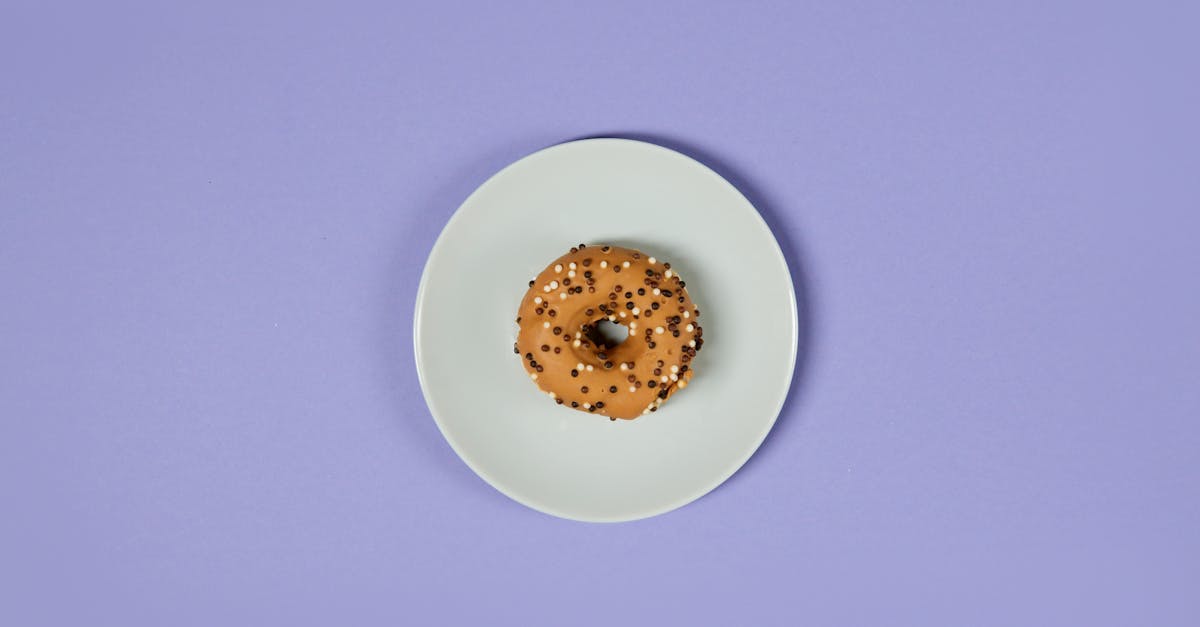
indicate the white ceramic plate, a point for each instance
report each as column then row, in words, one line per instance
column 583, row 466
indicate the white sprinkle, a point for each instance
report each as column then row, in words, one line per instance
column 667, row 274
column 632, row 389
column 624, row 366
column 570, row 274
column 636, row 311
column 587, row 405
column 664, row 379
column 692, row 343
column 652, row 260
column 590, row 368
column 562, row 296
column 558, row 267
column 656, row 291
column 657, row 330
column 545, row 288
column 533, row 375
column 572, row 265
column 545, row 325
column 579, row 366
column 631, row 330
column 554, row 285
column 622, row 314
column 687, row 314
column 674, row 377
column 612, row 318
column 603, row 264
column 632, row 325
column 691, row 328
column 537, row 300
column 625, row 264
column 576, row 344
column 578, row 335
column 553, row 395
column 674, row 368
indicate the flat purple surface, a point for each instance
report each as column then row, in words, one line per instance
column 213, row 221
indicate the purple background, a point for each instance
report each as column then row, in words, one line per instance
column 213, row 221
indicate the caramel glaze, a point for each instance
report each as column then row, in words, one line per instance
column 569, row 360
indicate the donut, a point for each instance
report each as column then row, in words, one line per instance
column 566, row 356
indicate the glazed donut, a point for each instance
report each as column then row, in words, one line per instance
column 569, row 360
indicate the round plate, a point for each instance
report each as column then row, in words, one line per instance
column 583, row 466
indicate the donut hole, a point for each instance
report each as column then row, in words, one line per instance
column 607, row 333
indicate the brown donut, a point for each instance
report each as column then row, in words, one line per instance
column 569, row 360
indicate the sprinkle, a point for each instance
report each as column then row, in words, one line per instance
column 537, row 300
column 692, row 343
column 690, row 328
column 554, row 285
column 674, row 368
column 533, row 375
column 667, row 274
column 687, row 314
column 656, row 291
column 546, row 324
column 576, row 344
column 624, row 367
column 665, row 379
column 558, row 267
column 658, row 330
column 674, row 377
column 545, row 288
column 632, row 389
column 603, row 264
column 571, row 273
column 589, row 368
column 579, row 366
column 631, row 331
column 622, row 314
column 589, row 405
column 652, row 260
column 572, row 265
column 633, row 325
column 625, row 264
column 636, row 311
column 553, row 395
column 562, row 296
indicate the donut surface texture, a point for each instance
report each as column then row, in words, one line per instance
column 567, row 357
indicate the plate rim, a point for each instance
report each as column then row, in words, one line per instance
column 670, row 506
